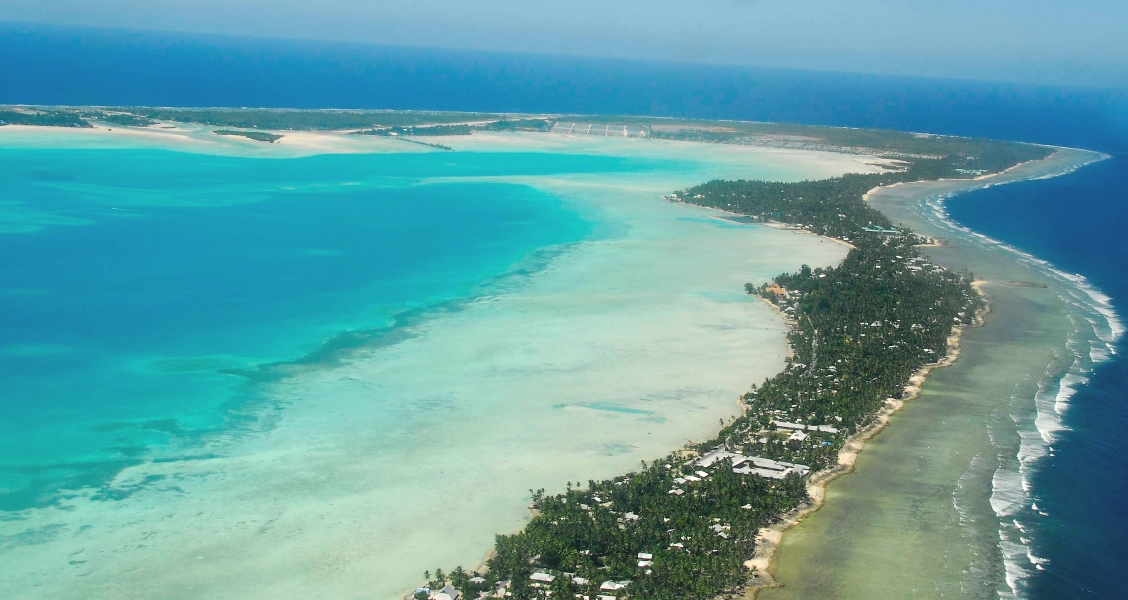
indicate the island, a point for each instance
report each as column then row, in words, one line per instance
column 258, row 136
column 41, row 117
column 862, row 336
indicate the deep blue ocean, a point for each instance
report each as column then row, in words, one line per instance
column 1076, row 222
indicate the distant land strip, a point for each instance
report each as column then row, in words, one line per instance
column 258, row 136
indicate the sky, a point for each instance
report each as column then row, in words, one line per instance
column 1081, row 42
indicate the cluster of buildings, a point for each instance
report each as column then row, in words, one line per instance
column 799, row 430
column 543, row 579
column 702, row 465
column 448, row 592
column 754, row 465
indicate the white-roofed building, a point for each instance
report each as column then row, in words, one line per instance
column 447, row 593
column 712, row 457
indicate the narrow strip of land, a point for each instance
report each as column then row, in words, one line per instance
column 864, row 335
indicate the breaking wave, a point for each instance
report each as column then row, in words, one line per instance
column 1039, row 420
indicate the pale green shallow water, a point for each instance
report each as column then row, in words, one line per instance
column 925, row 514
column 411, row 456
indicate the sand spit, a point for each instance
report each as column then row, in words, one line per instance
column 202, row 139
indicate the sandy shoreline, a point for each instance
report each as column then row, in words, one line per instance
column 763, row 561
column 771, row 537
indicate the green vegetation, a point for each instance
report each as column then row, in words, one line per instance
column 307, row 120
column 426, row 130
column 943, row 156
column 861, row 330
column 834, row 207
column 43, row 118
column 518, row 125
column 831, row 207
column 262, row 118
column 461, row 128
column 258, row 136
column 124, row 119
column 683, row 526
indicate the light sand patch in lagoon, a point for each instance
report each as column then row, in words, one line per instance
column 932, row 506
column 202, row 139
column 415, row 455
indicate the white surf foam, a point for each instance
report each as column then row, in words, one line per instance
column 1096, row 328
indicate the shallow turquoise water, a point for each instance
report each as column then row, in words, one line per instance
column 136, row 281
column 271, row 370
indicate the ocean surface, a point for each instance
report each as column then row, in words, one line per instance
column 1077, row 473
column 1073, row 548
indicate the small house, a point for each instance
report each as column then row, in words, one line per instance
column 447, row 593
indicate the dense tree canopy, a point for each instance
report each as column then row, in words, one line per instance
column 42, row 118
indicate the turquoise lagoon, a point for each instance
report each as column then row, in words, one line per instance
column 180, row 267
column 250, row 371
